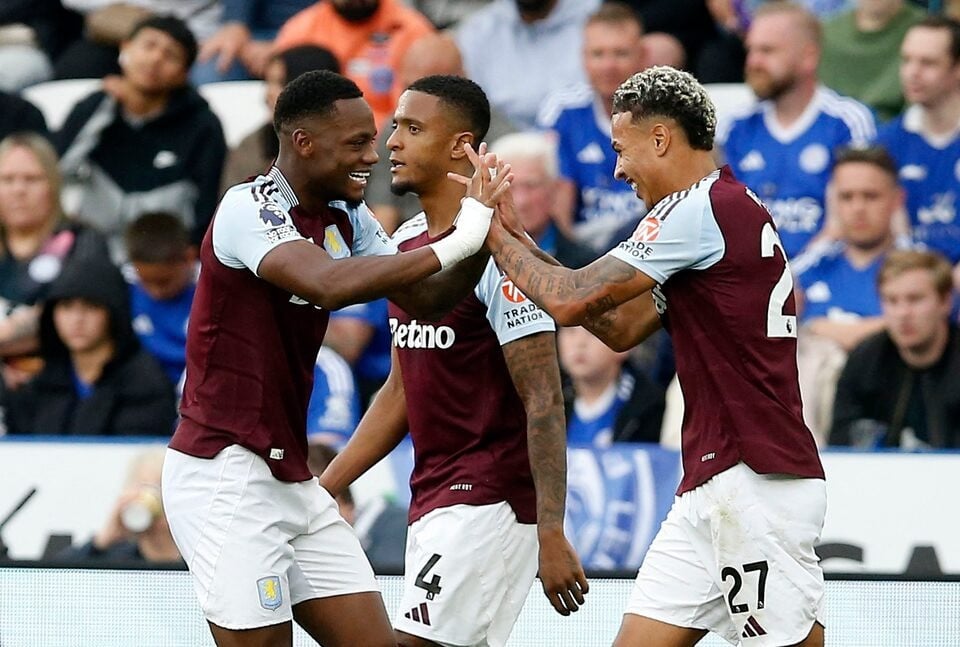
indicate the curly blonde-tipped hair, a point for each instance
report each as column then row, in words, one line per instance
column 667, row 92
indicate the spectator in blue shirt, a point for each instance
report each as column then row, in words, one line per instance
column 925, row 139
column 591, row 203
column 162, row 286
column 784, row 147
column 606, row 401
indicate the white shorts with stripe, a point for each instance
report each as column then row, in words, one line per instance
column 254, row 545
column 468, row 570
column 736, row 556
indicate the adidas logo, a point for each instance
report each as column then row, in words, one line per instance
column 751, row 629
column 591, row 154
column 420, row 614
column 753, row 161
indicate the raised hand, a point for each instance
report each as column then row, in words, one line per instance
column 490, row 180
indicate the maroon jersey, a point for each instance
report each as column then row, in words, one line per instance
column 466, row 419
column 251, row 346
column 726, row 298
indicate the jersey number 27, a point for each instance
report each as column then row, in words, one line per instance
column 778, row 324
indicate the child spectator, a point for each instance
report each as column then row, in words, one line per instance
column 96, row 378
column 164, row 280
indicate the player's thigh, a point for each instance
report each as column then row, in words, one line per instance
column 639, row 631
column 273, row 636
column 231, row 520
column 332, row 586
column 764, row 529
column 467, row 571
column 675, row 596
column 346, row 620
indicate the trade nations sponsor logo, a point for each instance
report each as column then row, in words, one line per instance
column 511, row 292
column 647, row 231
column 418, row 335
column 268, row 588
column 636, row 249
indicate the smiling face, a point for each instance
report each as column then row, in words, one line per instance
column 26, row 200
column 153, row 61
column 341, row 150
column 421, row 143
column 634, row 143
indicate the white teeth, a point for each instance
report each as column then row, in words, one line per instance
column 360, row 177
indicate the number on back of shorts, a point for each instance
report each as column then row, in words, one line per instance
column 433, row 586
column 778, row 324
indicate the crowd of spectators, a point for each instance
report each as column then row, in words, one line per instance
column 853, row 143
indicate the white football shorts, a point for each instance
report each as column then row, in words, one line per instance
column 736, row 556
column 468, row 570
column 257, row 546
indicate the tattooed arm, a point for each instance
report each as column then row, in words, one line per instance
column 532, row 362
column 607, row 297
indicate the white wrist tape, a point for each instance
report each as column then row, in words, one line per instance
column 472, row 224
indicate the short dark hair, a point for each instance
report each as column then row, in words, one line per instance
column 466, row 98
column 305, row 58
column 874, row 155
column 666, row 92
column 173, row 27
column 312, row 94
column 156, row 237
column 952, row 27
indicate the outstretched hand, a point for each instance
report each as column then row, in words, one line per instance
column 561, row 574
column 490, row 180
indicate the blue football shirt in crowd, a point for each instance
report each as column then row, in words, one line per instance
column 162, row 327
column 929, row 171
column 788, row 168
column 834, row 288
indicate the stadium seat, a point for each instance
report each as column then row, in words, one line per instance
column 730, row 99
column 239, row 105
column 57, row 98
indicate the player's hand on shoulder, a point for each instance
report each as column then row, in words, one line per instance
column 561, row 574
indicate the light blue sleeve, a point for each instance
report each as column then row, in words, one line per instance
column 679, row 233
column 510, row 313
column 369, row 238
column 245, row 229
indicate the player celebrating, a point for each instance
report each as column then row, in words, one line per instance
column 265, row 544
column 736, row 553
column 476, row 388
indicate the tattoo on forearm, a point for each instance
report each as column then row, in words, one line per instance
column 533, row 367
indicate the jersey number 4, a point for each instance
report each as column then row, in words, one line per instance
column 778, row 324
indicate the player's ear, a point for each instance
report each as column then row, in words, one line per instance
column 661, row 139
column 302, row 142
column 458, row 151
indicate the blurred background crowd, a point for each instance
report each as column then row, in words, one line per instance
column 843, row 116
